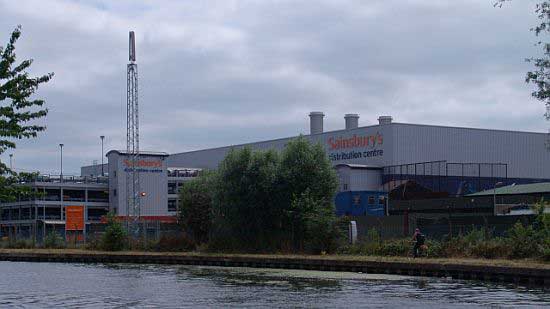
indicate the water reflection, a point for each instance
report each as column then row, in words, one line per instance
column 126, row 285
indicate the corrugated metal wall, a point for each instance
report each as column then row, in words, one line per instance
column 523, row 152
column 361, row 153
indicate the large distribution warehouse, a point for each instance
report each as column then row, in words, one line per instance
column 371, row 161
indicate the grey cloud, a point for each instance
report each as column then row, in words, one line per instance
column 214, row 73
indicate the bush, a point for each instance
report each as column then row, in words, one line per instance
column 114, row 238
column 170, row 243
column 523, row 241
column 435, row 248
column 93, row 242
column 397, row 247
column 490, row 249
column 54, row 241
column 196, row 206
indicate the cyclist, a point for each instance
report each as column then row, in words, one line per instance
column 419, row 240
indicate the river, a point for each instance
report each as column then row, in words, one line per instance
column 31, row 285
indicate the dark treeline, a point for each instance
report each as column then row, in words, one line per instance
column 265, row 201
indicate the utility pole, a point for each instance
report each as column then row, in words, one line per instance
column 11, row 162
column 61, row 170
column 102, row 137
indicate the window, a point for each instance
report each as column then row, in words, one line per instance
column 172, row 188
column 114, row 174
column 172, row 205
column 114, row 192
column 382, row 200
column 345, row 187
column 371, row 200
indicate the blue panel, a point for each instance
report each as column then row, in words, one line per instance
column 356, row 203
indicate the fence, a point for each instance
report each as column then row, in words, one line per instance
column 437, row 226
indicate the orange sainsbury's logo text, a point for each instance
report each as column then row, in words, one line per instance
column 355, row 141
column 143, row 163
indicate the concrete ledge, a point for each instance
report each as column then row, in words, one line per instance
column 536, row 274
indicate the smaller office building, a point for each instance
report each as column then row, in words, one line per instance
column 55, row 199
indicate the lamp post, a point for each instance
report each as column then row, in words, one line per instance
column 102, row 137
column 11, row 163
column 495, row 194
column 61, row 174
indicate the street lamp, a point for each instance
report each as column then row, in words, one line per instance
column 61, row 175
column 102, row 137
column 500, row 183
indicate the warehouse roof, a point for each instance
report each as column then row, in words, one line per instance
column 541, row 187
column 145, row 153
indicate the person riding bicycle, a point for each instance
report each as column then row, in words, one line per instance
column 419, row 240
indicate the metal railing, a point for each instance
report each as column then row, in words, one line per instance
column 65, row 178
column 183, row 173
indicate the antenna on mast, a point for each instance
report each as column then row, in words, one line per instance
column 132, row 47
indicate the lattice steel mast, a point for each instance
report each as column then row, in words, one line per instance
column 132, row 139
column 548, row 118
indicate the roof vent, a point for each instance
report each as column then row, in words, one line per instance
column 316, row 122
column 384, row 120
column 352, row 121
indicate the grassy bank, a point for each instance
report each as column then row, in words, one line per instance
column 520, row 242
column 523, row 263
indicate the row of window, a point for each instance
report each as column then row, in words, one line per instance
column 381, row 200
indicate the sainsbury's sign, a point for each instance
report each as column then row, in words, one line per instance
column 360, row 146
column 356, row 141
column 146, row 166
column 143, row 163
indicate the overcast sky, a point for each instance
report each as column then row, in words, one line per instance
column 214, row 73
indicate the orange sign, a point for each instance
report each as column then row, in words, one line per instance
column 356, row 141
column 74, row 216
column 143, row 163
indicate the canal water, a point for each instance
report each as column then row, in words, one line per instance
column 129, row 285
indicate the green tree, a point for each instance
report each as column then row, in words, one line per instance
column 114, row 238
column 196, row 206
column 306, row 172
column 266, row 201
column 17, row 107
column 321, row 230
column 245, row 199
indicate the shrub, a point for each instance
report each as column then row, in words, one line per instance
column 93, row 242
column 114, row 238
column 490, row 249
column 522, row 241
column 54, row 241
column 544, row 249
column 398, row 247
column 321, row 228
column 435, row 248
column 178, row 242
column 196, row 206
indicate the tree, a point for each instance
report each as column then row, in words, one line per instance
column 245, row 200
column 196, row 206
column 114, row 238
column 309, row 187
column 17, row 108
column 266, row 201
column 540, row 76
